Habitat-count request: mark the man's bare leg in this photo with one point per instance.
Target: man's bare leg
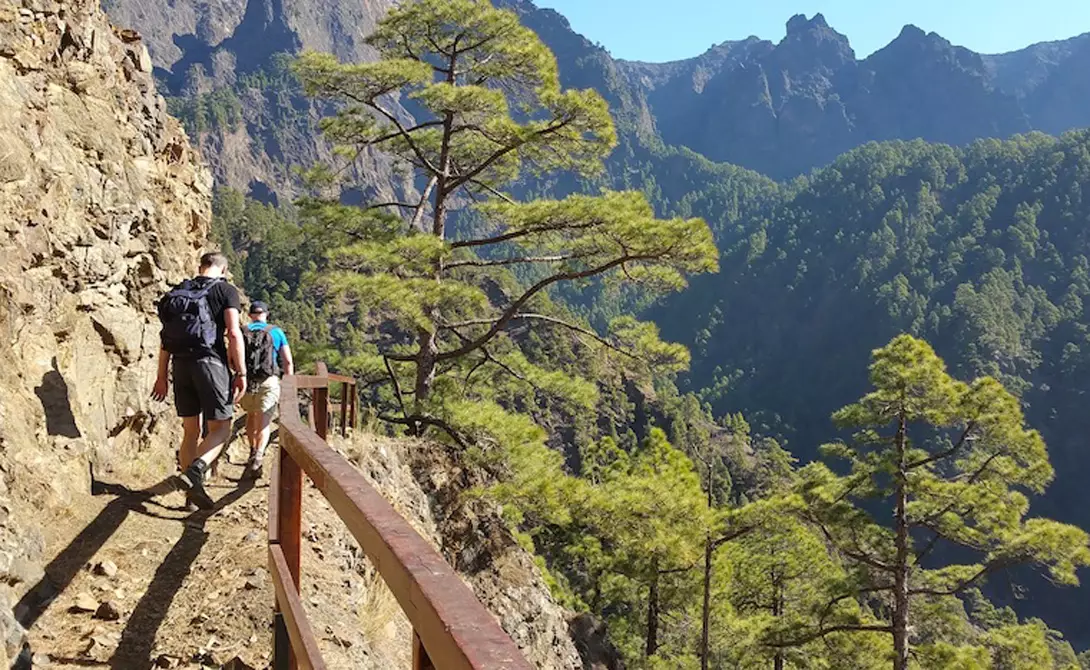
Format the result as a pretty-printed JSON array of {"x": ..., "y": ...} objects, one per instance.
[
  {"x": 207, "y": 452},
  {"x": 191, "y": 436},
  {"x": 213, "y": 443},
  {"x": 253, "y": 430},
  {"x": 262, "y": 426},
  {"x": 265, "y": 433}
]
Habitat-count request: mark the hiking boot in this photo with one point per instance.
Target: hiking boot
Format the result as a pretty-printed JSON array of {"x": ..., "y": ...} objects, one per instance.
[
  {"x": 192, "y": 480},
  {"x": 190, "y": 505},
  {"x": 255, "y": 466}
]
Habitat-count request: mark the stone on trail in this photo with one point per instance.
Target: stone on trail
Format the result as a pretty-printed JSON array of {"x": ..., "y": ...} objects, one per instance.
[
  {"x": 108, "y": 611},
  {"x": 106, "y": 568},
  {"x": 85, "y": 602}
]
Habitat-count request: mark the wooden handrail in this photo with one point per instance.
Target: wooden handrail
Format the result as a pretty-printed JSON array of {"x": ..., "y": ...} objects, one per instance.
[{"x": 452, "y": 630}]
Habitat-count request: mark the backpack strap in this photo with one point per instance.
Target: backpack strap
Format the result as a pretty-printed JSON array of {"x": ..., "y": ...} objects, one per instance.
[{"x": 207, "y": 288}]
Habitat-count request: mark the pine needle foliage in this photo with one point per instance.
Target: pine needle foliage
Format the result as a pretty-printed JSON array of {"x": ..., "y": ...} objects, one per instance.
[
  {"x": 953, "y": 464},
  {"x": 442, "y": 300}
]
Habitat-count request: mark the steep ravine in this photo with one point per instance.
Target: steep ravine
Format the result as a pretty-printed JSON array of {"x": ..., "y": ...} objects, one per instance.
[
  {"x": 103, "y": 204},
  {"x": 225, "y": 55}
]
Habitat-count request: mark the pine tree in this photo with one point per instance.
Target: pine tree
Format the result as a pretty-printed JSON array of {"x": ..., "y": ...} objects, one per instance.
[
  {"x": 952, "y": 462},
  {"x": 487, "y": 106}
]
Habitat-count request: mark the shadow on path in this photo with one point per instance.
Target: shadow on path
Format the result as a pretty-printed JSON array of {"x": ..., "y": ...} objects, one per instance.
[
  {"x": 138, "y": 637},
  {"x": 66, "y": 565}
]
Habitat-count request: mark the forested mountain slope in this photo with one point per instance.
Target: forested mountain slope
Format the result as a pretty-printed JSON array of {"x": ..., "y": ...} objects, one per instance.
[
  {"x": 780, "y": 109},
  {"x": 983, "y": 251}
]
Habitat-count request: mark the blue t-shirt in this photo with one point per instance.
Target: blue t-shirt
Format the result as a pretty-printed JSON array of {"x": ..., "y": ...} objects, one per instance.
[{"x": 278, "y": 337}]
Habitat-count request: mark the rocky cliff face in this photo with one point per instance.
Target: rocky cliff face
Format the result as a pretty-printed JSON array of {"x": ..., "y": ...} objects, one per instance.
[
  {"x": 102, "y": 201},
  {"x": 223, "y": 64},
  {"x": 781, "y": 109}
]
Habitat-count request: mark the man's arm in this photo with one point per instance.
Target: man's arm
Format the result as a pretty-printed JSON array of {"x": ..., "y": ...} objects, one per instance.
[
  {"x": 286, "y": 361},
  {"x": 236, "y": 350},
  {"x": 162, "y": 379}
]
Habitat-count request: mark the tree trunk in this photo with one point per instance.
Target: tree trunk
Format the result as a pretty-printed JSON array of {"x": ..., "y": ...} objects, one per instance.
[
  {"x": 705, "y": 631},
  {"x": 901, "y": 561},
  {"x": 653, "y": 613},
  {"x": 777, "y": 611},
  {"x": 425, "y": 368}
]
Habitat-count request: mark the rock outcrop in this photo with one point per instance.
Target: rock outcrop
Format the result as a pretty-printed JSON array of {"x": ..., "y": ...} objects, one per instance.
[
  {"x": 778, "y": 108},
  {"x": 102, "y": 201},
  {"x": 431, "y": 485},
  {"x": 231, "y": 55}
]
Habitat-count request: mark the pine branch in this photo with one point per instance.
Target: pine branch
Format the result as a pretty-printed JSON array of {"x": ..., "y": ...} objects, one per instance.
[
  {"x": 423, "y": 201},
  {"x": 843, "y": 628},
  {"x": 397, "y": 386},
  {"x": 502, "y": 262},
  {"x": 948, "y": 452},
  {"x": 500, "y": 153},
  {"x": 405, "y": 134},
  {"x": 418, "y": 419},
  {"x": 495, "y": 193},
  {"x": 513, "y": 310},
  {"x": 858, "y": 555},
  {"x": 993, "y": 566},
  {"x": 513, "y": 235},
  {"x": 931, "y": 518}
]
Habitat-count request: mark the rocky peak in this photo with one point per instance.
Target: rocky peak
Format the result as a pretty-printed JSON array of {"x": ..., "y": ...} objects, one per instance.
[
  {"x": 102, "y": 202},
  {"x": 814, "y": 41},
  {"x": 799, "y": 24}
]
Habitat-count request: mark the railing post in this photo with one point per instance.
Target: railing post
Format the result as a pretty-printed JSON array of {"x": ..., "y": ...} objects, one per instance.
[
  {"x": 344, "y": 409},
  {"x": 421, "y": 660},
  {"x": 355, "y": 400},
  {"x": 289, "y": 534},
  {"x": 321, "y": 412}
]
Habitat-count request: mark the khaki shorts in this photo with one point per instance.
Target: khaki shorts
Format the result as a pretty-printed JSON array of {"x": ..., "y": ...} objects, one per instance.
[{"x": 264, "y": 398}]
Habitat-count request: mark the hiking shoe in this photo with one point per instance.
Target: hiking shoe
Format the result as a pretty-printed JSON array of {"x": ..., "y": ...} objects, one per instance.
[
  {"x": 192, "y": 480},
  {"x": 190, "y": 505},
  {"x": 255, "y": 466}
]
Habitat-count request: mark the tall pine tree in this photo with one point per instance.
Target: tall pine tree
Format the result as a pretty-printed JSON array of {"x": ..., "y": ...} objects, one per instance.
[
  {"x": 487, "y": 106},
  {"x": 952, "y": 464}
]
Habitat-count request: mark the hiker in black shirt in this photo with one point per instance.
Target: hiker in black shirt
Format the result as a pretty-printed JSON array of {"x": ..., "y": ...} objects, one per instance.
[{"x": 209, "y": 373}]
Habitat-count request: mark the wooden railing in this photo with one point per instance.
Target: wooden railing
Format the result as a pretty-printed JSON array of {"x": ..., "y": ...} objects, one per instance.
[{"x": 452, "y": 630}]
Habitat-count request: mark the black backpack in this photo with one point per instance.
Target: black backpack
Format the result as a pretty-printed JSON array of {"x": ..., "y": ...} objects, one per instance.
[
  {"x": 260, "y": 355},
  {"x": 189, "y": 327}
]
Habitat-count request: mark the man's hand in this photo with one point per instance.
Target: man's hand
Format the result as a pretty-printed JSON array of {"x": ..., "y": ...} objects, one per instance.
[
  {"x": 162, "y": 378},
  {"x": 238, "y": 389},
  {"x": 159, "y": 391}
]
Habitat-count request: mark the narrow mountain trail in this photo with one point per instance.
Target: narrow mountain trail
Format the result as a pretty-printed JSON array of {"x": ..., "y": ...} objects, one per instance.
[{"x": 137, "y": 582}]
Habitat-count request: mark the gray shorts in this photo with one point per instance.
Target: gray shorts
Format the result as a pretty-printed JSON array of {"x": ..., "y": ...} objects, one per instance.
[{"x": 202, "y": 386}]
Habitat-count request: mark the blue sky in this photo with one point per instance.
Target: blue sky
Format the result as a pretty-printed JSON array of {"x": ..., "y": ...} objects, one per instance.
[{"x": 662, "y": 30}]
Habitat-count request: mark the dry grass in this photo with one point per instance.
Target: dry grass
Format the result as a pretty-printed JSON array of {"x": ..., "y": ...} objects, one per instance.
[{"x": 382, "y": 623}]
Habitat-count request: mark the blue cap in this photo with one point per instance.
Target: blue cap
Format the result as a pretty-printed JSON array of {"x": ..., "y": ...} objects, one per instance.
[{"x": 258, "y": 307}]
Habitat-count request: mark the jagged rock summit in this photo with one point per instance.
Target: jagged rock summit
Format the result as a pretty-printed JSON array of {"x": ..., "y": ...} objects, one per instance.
[{"x": 102, "y": 200}]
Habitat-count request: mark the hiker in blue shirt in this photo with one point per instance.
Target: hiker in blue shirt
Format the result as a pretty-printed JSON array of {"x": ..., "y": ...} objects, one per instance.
[{"x": 267, "y": 355}]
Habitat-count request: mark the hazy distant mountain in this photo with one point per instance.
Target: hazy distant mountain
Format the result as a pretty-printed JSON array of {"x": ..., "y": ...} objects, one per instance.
[{"x": 781, "y": 109}]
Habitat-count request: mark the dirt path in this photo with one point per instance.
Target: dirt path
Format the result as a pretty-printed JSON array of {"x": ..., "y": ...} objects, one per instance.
[{"x": 137, "y": 582}]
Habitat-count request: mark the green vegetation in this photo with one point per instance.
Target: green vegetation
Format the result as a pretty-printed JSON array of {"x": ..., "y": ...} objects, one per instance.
[
  {"x": 951, "y": 463},
  {"x": 487, "y": 311},
  {"x": 451, "y": 307},
  {"x": 218, "y": 111}
]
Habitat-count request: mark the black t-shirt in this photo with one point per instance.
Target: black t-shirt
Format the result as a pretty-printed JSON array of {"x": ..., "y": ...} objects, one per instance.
[{"x": 221, "y": 298}]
